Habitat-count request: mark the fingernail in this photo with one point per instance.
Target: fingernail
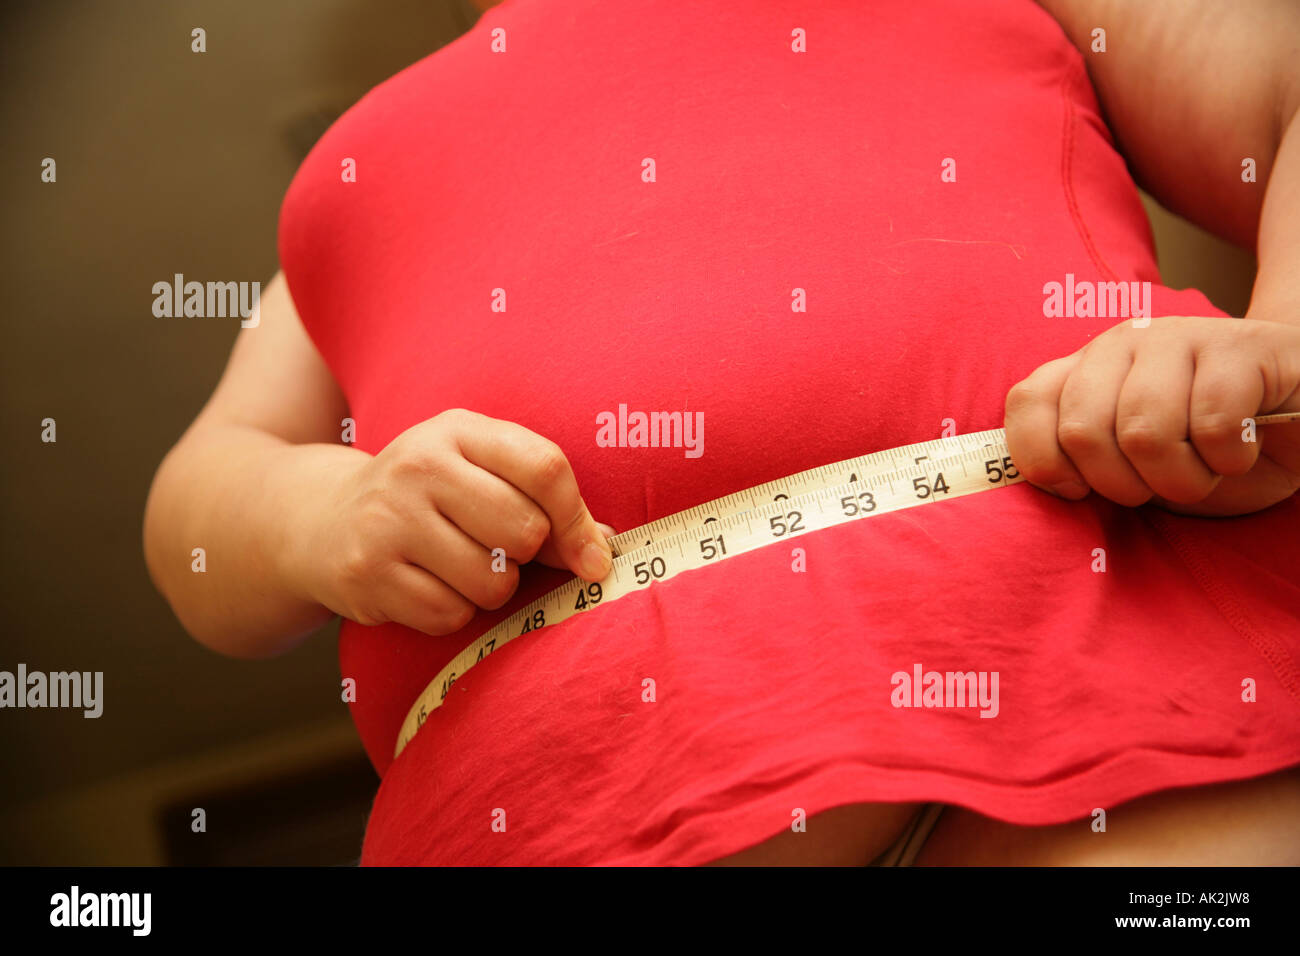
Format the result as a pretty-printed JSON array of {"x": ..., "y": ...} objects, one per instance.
[
  {"x": 596, "y": 561},
  {"x": 1070, "y": 489}
]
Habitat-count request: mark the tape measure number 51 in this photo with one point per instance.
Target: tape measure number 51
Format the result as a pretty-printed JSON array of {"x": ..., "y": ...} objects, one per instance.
[{"x": 834, "y": 494}]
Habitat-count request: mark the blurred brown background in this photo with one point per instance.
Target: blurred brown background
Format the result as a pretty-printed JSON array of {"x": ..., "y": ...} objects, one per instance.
[{"x": 172, "y": 161}]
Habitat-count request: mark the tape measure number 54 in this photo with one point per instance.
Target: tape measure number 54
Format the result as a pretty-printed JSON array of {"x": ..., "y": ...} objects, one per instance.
[{"x": 835, "y": 494}]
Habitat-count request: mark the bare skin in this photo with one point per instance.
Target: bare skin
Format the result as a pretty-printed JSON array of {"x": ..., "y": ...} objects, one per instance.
[
  {"x": 298, "y": 527},
  {"x": 851, "y": 835},
  {"x": 1185, "y": 109},
  {"x": 1253, "y": 822},
  {"x": 1154, "y": 414},
  {"x": 1243, "y": 823}
]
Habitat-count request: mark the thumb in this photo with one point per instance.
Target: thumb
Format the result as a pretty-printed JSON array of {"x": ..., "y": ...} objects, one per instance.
[{"x": 592, "y": 554}]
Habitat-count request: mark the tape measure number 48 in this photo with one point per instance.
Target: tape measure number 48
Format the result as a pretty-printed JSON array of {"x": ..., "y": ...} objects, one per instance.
[{"x": 835, "y": 494}]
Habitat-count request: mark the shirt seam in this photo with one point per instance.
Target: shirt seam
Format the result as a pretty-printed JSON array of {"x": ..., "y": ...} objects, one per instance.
[
  {"x": 1072, "y": 68},
  {"x": 1228, "y": 603}
]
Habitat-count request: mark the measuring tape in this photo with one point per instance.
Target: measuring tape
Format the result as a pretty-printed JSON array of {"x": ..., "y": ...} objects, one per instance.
[{"x": 835, "y": 494}]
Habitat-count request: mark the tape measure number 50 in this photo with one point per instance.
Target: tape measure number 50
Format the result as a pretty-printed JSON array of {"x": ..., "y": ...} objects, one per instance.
[{"x": 834, "y": 494}]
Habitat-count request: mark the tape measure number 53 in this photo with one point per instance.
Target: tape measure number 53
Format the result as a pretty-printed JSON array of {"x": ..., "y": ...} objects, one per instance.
[{"x": 834, "y": 494}]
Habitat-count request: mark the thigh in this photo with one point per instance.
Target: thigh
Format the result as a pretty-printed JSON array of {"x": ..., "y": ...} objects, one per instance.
[
  {"x": 851, "y": 835},
  {"x": 1244, "y": 823}
]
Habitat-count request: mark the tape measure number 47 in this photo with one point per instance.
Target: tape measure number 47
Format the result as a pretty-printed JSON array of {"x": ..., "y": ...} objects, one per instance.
[{"x": 850, "y": 490}]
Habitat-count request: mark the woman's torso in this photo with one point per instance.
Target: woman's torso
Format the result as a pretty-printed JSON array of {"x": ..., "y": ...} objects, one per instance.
[{"x": 914, "y": 179}]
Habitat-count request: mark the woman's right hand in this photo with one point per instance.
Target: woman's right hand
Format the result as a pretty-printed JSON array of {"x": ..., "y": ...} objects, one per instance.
[{"x": 408, "y": 535}]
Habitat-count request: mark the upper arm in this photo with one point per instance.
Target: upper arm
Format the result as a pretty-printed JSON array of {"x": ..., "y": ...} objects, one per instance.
[
  {"x": 1190, "y": 89},
  {"x": 276, "y": 380}
]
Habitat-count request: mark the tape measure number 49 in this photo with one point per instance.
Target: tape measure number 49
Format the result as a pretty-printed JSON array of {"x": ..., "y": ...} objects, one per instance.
[{"x": 834, "y": 494}]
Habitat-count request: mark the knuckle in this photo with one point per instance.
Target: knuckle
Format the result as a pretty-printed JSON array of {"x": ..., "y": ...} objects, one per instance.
[
  {"x": 532, "y": 535},
  {"x": 550, "y": 465},
  {"x": 1139, "y": 435},
  {"x": 1213, "y": 427},
  {"x": 453, "y": 421},
  {"x": 1078, "y": 437},
  {"x": 1021, "y": 397},
  {"x": 452, "y": 416}
]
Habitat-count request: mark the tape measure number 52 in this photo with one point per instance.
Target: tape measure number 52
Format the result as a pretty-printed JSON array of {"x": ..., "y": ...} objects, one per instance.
[{"x": 834, "y": 494}]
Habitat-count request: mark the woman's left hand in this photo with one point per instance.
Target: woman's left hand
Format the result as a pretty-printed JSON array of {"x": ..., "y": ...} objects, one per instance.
[{"x": 1155, "y": 413}]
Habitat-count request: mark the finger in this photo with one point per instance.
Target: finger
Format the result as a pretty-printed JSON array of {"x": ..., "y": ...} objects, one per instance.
[
  {"x": 549, "y": 554},
  {"x": 1223, "y": 395},
  {"x": 490, "y": 510},
  {"x": 1276, "y": 354},
  {"x": 1151, "y": 419},
  {"x": 1030, "y": 422},
  {"x": 434, "y": 544},
  {"x": 538, "y": 468},
  {"x": 416, "y": 599},
  {"x": 1086, "y": 427}
]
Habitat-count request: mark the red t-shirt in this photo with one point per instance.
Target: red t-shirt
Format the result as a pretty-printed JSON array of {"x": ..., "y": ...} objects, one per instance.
[{"x": 774, "y": 170}]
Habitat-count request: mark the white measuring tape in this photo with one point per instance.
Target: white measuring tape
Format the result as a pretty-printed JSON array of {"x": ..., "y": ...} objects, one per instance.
[{"x": 834, "y": 494}]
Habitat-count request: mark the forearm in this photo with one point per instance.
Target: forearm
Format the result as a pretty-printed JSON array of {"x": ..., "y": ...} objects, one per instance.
[
  {"x": 1192, "y": 89},
  {"x": 1276, "y": 296},
  {"x": 239, "y": 494}
]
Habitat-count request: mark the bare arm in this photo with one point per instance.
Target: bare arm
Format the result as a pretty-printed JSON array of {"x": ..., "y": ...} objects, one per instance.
[
  {"x": 297, "y": 527},
  {"x": 271, "y": 427},
  {"x": 1191, "y": 88}
]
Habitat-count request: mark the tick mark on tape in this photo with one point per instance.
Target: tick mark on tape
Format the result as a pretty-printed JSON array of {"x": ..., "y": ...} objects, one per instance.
[{"x": 782, "y": 513}]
